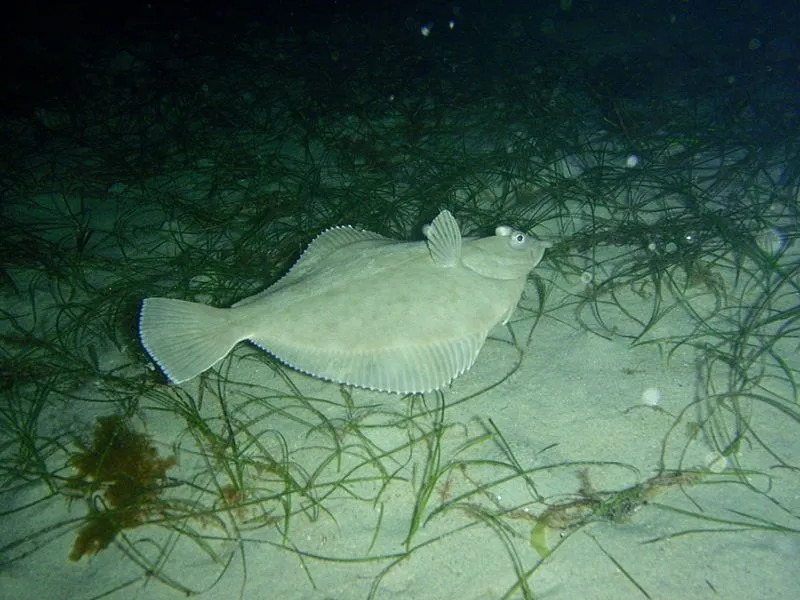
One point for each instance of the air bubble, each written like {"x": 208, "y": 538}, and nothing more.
{"x": 716, "y": 462}
{"x": 772, "y": 240}
{"x": 652, "y": 396}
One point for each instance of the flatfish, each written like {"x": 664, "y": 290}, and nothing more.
{"x": 361, "y": 309}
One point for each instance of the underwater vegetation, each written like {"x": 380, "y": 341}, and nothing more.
{"x": 673, "y": 214}
{"x": 593, "y": 505}
{"x": 121, "y": 475}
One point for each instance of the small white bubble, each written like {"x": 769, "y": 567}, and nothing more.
{"x": 772, "y": 240}
{"x": 716, "y": 462}
{"x": 425, "y": 30}
{"x": 632, "y": 161}
{"x": 652, "y": 396}
{"x": 587, "y": 277}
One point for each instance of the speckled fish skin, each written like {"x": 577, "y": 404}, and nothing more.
{"x": 361, "y": 309}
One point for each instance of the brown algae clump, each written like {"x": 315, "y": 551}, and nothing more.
{"x": 122, "y": 476}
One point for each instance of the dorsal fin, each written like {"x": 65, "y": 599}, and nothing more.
{"x": 444, "y": 239}
{"x": 332, "y": 239}
{"x": 318, "y": 251}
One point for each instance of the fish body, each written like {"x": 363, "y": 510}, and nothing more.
{"x": 361, "y": 309}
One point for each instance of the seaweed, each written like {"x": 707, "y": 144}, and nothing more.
{"x": 122, "y": 477}
{"x": 592, "y": 505}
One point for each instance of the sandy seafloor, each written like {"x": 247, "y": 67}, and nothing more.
{"x": 581, "y": 411}
{"x": 575, "y": 397}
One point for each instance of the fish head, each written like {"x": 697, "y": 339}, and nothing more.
{"x": 508, "y": 254}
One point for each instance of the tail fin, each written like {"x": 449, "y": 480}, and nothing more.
{"x": 186, "y": 338}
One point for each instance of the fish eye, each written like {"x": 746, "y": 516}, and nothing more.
{"x": 518, "y": 239}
